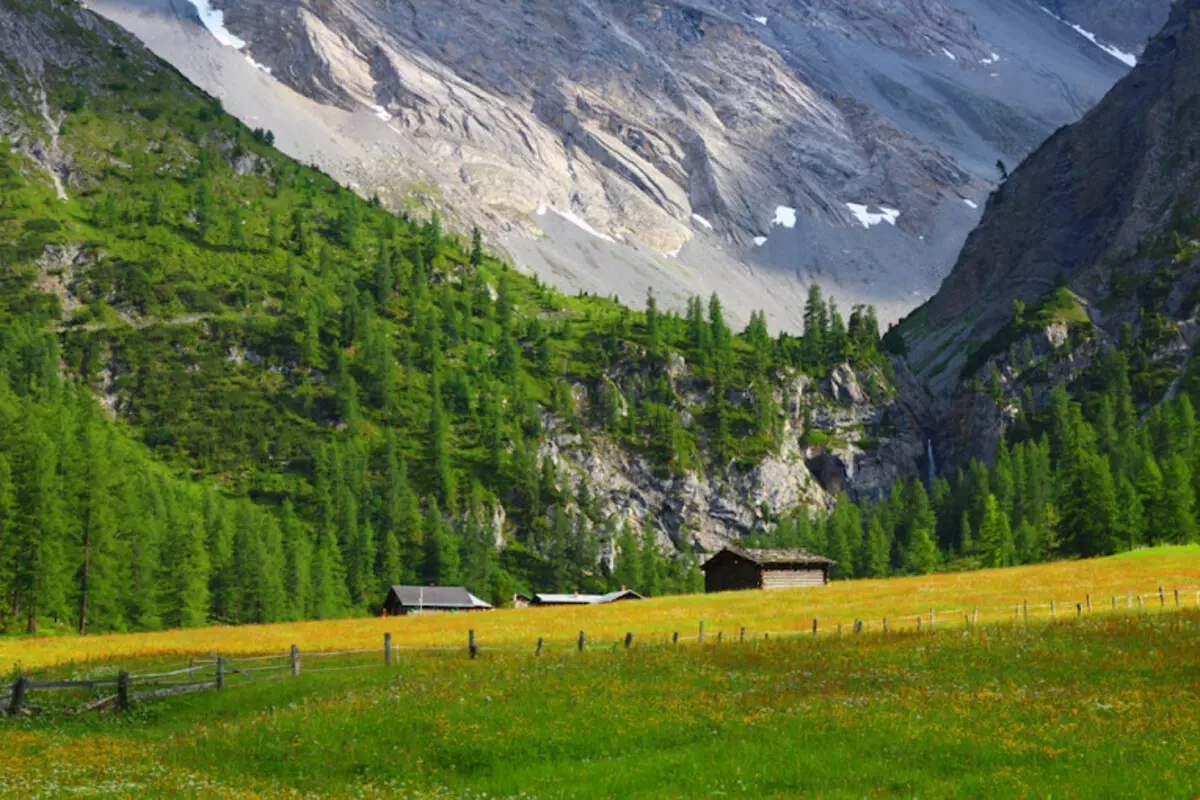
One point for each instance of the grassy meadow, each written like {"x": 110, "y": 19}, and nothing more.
{"x": 951, "y": 596}
{"x": 1107, "y": 705}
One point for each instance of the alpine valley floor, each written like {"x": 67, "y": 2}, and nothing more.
{"x": 1100, "y": 704}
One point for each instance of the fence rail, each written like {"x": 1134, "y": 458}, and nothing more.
{"x": 214, "y": 672}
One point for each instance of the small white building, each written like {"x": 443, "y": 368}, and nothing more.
{"x": 577, "y": 599}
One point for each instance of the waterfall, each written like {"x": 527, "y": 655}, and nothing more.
{"x": 932, "y": 464}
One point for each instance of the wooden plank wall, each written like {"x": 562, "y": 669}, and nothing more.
{"x": 792, "y": 578}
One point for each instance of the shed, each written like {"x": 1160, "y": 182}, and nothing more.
{"x": 735, "y": 568}
{"x": 578, "y": 599}
{"x": 417, "y": 599}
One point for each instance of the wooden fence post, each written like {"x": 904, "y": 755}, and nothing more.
{"x": 814, "y": 626}
{"x": 581, "y": 641}
{"x": 975, "y": 615}
{"x": 192, "y": 668}
{"x": 742, "y": 634}
{"x": 918, "y": 623}
{"x": 885, "y": 625}
{"x": 720, "y": 634}
{"x": 1176, "y": 597}
{"x": 628, "y": 640}
{"x": 18, "y": 695}
{"x": 471, "y": 648}
{"x": 1089, "y": 602}
{"x": 932, "y": 619}
{"x": 123, "y": 691}
{"x": 858, "y": 626}
{"x": 295, "y": 661}
{"x": 1114, "y": 602}
{"x": 675, "y": 639}
{"x": 700, "y": 639}
{"x": 387, "y": 649}
{"x": 1140, "y": 605}
{"x": 220, "y": 673}
{"x": 1162, "y": 597}
{"x": 1129, "y": 598}
{"x": 1053, "y": 609}
{"x": 1079, "y": 609}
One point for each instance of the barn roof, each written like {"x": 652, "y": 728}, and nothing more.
{"x": 437, "y": 597}
{"x": 765, "y": 557}
{"x": 584, "y": 599}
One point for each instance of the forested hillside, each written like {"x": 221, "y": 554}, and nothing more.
{"x": 235, "y": 391}
{"x": 1081, "y": 477}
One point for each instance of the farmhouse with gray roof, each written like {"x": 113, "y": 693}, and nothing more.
{"x": 417, "y": 599}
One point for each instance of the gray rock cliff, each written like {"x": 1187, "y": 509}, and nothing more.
{"x": 749, "y": 147}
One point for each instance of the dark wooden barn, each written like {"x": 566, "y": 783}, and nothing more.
{"x": 418, "y": 599}
{"x": 734, "y": 568}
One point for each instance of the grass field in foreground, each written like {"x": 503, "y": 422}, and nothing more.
{"x": 1106, "y": 706}
{"x": 786, "y": 611}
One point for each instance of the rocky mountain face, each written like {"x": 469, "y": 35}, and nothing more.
{"x": 748, "y": 147}
{"x": 1095, "y": 190}
{"x": 1094, "y": 232}
{"x": 862, "y": 435}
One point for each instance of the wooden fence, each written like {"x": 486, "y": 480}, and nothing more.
{"x": 215, "y": 672}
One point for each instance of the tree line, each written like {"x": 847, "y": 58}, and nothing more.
{"x": 1081, "y": 477}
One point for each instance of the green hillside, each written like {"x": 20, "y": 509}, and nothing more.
{"x": 253, "y": 395}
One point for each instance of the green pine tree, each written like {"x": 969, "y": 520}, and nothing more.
{"x": 1179, "y": 501}
{"x": 921, "y": 556}
{"x": 995, "y": 536}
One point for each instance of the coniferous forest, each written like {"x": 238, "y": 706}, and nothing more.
{"x": 233, "y": 391}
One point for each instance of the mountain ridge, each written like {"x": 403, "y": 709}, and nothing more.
{"x": 720, "y": 128}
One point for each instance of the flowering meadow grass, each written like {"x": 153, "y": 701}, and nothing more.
{"x": 996, "y": 592}
{"x": 1104, "y": 706}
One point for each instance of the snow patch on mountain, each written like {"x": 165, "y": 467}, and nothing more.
{"x": 870, "y": 219}
{"x": 576, "y": 220}
{"x": 1120, "y": 55}
{"x": 214, "y": 20}
{"x": 260, "y": 67}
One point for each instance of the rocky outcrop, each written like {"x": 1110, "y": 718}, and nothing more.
{"x": 867, "y": 443}
{"x": 842, "y": 386}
